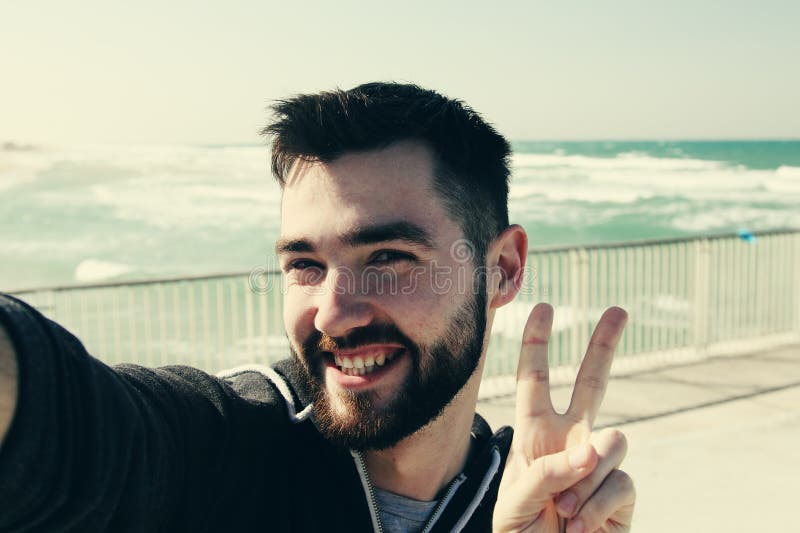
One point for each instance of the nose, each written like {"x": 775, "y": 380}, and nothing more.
{"x": 340, "y": 306}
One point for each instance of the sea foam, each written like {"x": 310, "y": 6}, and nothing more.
{"x": 91, "y": 270}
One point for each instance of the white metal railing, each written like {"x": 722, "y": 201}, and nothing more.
{"x": 687, "y": 299}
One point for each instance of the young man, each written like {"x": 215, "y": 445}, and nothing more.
{"x": 396, "y": 251}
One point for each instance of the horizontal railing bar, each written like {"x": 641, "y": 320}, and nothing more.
{"x": 654, "y": 242}
{"x": 531, "y": 251}
{"x": 132, "y": 283}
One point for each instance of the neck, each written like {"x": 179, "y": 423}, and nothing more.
{"x": 421, "y": 465}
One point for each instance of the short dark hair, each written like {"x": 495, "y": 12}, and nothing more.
{"x": 472, "y": 159}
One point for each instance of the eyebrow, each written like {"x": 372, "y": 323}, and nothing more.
{"x": 391, "y": 231}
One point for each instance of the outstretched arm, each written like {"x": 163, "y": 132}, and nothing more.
{"x": 93, "y": 448}
{"x": 8, "y": 382}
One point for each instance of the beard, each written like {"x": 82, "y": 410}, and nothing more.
{"x": 438, "y": 373}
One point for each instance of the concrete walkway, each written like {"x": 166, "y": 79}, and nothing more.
{"x": 713, "y": 446}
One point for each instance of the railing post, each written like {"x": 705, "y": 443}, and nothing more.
{"x": 574, "y": 302}
{"x": 761, "y": 253}
{"x": 796, "y": 268}
{"x": 701, "y": 294}
{"x": 583, "y": 315}
{"x": 50, "y": 303}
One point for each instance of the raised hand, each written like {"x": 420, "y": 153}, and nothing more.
{"x": 558, "y": 473}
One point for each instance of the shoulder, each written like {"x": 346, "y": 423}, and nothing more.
{"x": 482, "y": 432}
{"x": 266, "y": 384}
{"x": 247, "y": 391}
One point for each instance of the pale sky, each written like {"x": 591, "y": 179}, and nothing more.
{"x": 154, "y": 72}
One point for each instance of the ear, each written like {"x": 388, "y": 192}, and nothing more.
{"x": 505, "y": 261}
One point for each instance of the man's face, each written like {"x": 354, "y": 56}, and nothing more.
{"x": 382, "y": 308}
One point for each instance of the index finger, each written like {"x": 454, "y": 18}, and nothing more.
{"x": 590, "y": 385}
{"x": 533, "y": 371}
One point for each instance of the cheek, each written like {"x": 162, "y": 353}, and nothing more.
{"x": 297, "y": 317}
{"x": 421, "y": 315}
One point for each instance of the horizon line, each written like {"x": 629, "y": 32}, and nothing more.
{"x": 13, "y": 145}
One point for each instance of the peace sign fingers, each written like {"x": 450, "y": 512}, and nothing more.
{"x": 550, "y": 453}
{"x": 533, "y": 371}
{"x": 590, "y": 385}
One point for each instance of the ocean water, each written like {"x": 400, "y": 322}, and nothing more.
{"x": 91, "y": 214}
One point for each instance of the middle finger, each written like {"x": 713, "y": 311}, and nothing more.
{"x": 590, "y": 385}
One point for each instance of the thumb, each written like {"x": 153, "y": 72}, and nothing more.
{"x": 542, "y": 480}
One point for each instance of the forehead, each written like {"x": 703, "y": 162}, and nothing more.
{"x": 362, "y": 188}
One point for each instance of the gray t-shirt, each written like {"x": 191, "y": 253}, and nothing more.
{"x": 402, "y": 515}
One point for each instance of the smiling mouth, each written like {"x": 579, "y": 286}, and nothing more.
{"x": 364, "y": 361}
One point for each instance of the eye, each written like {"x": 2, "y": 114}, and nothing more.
{"x": 304, "y": 272}
{"x": 301, "y": 264}
{"x": 386, "y": 257}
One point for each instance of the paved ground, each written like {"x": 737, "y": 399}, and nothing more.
{"x": 713, "y": 446}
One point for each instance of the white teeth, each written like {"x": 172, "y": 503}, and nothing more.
{"x": 358, "y": 365}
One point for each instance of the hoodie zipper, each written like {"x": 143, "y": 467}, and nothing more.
{"x": 370, "y": 490}
{"x": 448, "y": 495}
{"x": 377, "y": 524}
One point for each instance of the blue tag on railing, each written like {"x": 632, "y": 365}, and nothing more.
{"x": 747, "y": 236}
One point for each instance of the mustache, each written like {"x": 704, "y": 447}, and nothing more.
{"x": 379, "y": 333}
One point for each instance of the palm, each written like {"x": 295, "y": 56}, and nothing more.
{"x": 550, "y": 433}
{"x": 539, "y": 430}
{"x": 538, "y": 436}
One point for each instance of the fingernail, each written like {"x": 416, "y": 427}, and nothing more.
{"x": 576, "y": 526}
{"x": 567, "y": 502}
{"x": 579, "y": 456}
